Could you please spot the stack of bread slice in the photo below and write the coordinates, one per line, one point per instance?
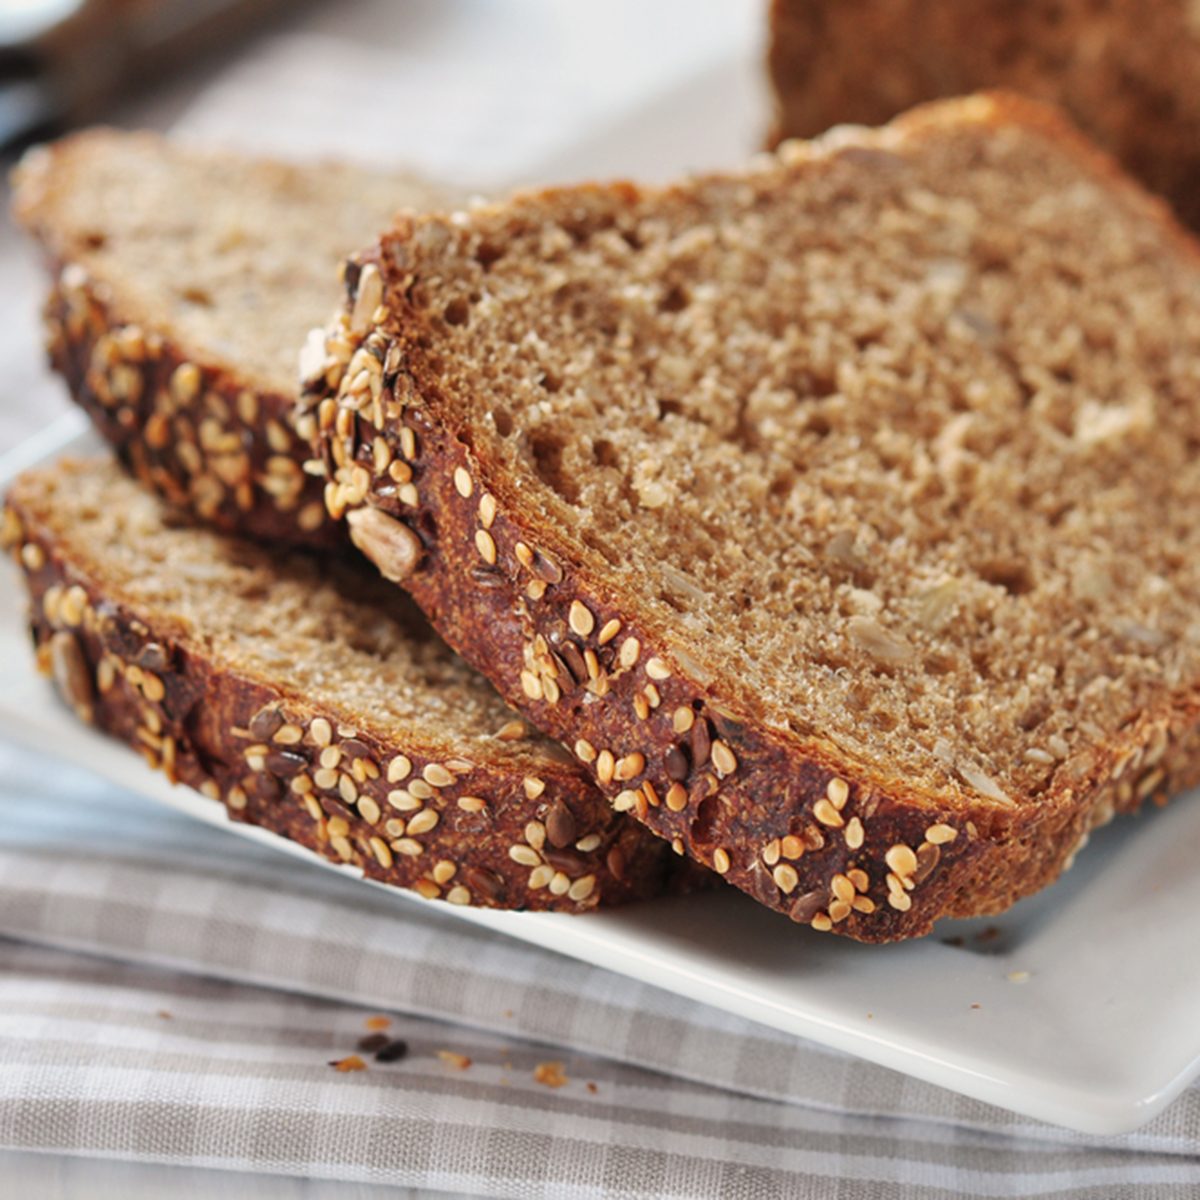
(833, 514)
(275, 675)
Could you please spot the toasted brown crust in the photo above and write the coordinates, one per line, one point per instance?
(875, 861)
(463, 832)
(188, 429)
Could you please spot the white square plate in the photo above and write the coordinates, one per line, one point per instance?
(1076, 1007)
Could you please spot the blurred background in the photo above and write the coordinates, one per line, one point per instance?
(483, 93)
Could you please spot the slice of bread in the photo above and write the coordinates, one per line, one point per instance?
(1126, 70)
(185, 281)
(838, 513)
(313, 700)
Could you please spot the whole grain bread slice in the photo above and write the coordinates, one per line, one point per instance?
(184, 283)
(1126, 70)
(837, 513)
(311, 699)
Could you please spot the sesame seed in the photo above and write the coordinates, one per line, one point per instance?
(511, 731)
(426, 887)
(382, 852)
(631, 765)
(605, 766)
(839, 910)
(838, 791)
(821, 923)
(72, 604)
(580, 618)
(345, 851)
(582, 888)
(842, 888)
(657, 669)
(901, 901)
(184, 383)
(407, 493)
(400, 471)
(901, 859)
(236, 798)
(486, 546)
(609, 631)
(462, 482)
(444, 871)
(403, 801)
(338, 826)
(408, 442)
(560, 884)
(863, 904)
(721, 863)
(421, 789)
(854, 833)
(314, 809)
(859, 878)
(825, 812)
(650, 794)
(771, 852)
(682, 719)
(1018, 976)
(641, 706)
(677, 797)
(585, 751)
(408, 847)
(786, 878)
(652, 694)
(320, 731)
(487, 510)
(525, 855)
(368, 810)
(531, 685)
(540, 877)
(625, 800)
(723, 758)
(423, 822)
(471, 804)
(535, 589)
(534, 786)
(394, 827)
(152, 688)
(630, 650)
(524, 555)
(301, 784)
(437, 776)
(399, 768)
(458, 895)
(347, 789)
(586, 845)
(939, 835)
(33, 556)
(792, 847)
(535, 834)
(288, 735)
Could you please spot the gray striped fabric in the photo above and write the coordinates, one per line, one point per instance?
(178, 1053)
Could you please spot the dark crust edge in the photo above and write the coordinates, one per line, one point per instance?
(188, 429)
(998, 853)
(141, 679)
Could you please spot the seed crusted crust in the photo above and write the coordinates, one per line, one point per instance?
(872, 859)
(415, 816)
(190, 430)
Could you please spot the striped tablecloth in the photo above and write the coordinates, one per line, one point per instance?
(171, 994)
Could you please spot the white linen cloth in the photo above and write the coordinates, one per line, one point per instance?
(171, 994)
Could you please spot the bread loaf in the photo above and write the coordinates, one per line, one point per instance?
(836, 513)
(311, 700)
(1126, 70)
(184, 283)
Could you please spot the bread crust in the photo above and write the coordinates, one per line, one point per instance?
(189, 429)
(780, 816)
(251, 744)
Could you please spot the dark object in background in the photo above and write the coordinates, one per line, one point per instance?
(1127, 71)
(61, 60)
